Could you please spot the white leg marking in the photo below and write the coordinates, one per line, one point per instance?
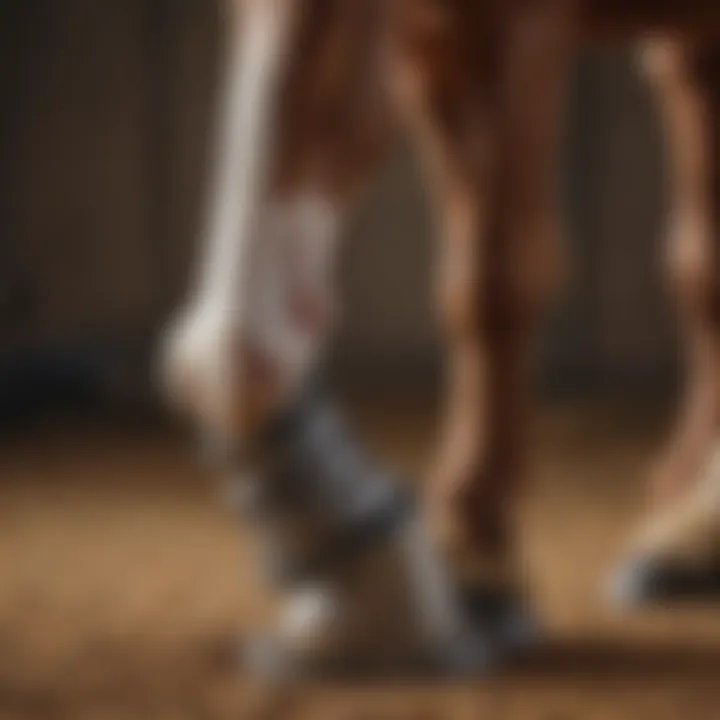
(258, 258)
(243, 154)
(691, 529)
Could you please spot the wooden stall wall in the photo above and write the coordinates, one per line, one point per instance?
(106, 108)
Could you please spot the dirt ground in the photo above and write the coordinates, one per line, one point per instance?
(124, 583)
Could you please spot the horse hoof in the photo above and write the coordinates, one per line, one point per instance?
(503, 617)
(471, 655)
(648, 580)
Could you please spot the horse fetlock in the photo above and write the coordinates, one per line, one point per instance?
(360, 587)
(213, 374)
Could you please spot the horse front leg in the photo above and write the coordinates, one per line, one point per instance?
(676, 551)
(482, 94)
(358, 584)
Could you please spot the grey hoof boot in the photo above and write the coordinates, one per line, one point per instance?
(361, 590)
(649, 580)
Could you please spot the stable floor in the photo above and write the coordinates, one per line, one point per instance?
(124, 581)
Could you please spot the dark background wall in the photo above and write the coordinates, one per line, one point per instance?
(107, 110)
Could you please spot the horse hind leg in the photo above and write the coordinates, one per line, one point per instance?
(676, 553)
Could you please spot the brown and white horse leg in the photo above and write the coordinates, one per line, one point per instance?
(676, 551)
(357, 581)
(483, 97)
(238, 351)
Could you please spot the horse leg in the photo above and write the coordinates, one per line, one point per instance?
(675, 553)
(357, 582)
(482, 95)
